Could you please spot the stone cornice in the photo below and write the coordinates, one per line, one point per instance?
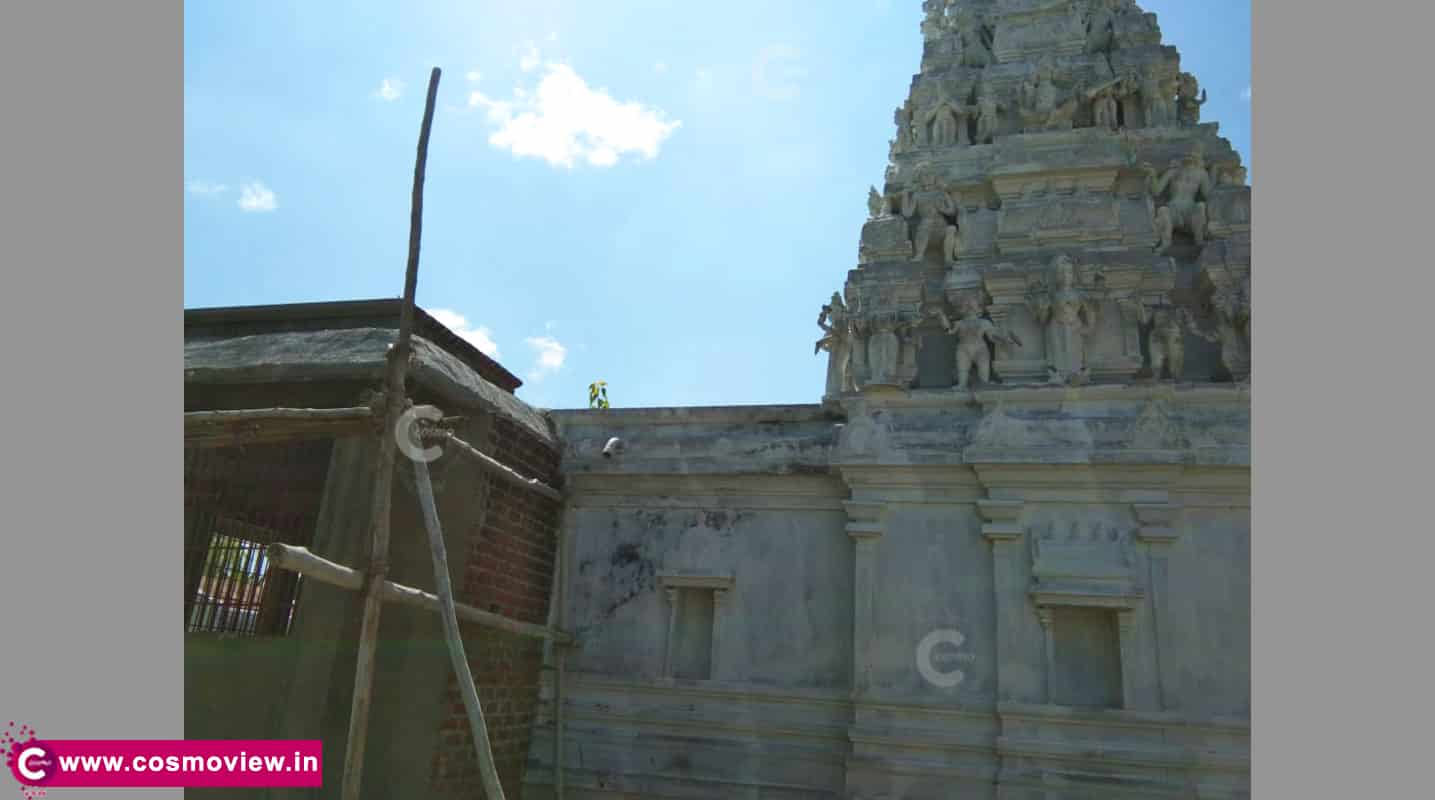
(689, 580)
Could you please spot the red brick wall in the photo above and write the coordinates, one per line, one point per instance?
(509, 570)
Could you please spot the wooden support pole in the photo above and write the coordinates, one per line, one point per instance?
(395, 399)
(492, 787)
(302, 561)
(559, 653)
(498, 469)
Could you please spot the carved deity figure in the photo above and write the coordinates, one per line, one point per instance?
(1156, 94)
(885, 344)
(877, 204)
(935, 213)
(1105, 112)
(1069, 314)
(976, 336)
(976, 39)
(1042, 109)
(988, 113)
(1165, 330)
(1230, 307)
(947, 121)
(836, 340)
(1188, 105)
(1098, 20)
(1187, 186)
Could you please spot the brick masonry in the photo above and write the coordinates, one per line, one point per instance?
(509, 570)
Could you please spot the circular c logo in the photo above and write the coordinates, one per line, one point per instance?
(934, 676)
(35, 764)
(406, 434)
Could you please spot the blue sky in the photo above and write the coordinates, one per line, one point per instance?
(656, 194)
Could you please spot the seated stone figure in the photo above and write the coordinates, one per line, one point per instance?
(1186, 186)
(934, 212)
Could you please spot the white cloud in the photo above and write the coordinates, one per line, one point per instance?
(390, 90)
(205, 187)
(660, 67)
(474, 76)
(255, 196)
(480, 337)
(563, 120)
(1246, 94)
(550, 353)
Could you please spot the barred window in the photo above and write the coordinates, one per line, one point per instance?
(238, 501)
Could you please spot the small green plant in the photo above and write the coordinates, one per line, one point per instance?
(598, 394)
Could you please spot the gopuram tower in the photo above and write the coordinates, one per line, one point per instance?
(1043, 353)
(1050, 174)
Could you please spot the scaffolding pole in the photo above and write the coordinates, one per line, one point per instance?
(394, 402)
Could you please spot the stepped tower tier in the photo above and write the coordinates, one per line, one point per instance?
(1050, 172)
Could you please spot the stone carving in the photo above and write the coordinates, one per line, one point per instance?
(836, 340)
(1098, 20)
(1156, 98)
(1188, 105)
(859, 331)
(1232, 174)
(865, 436)
(1156, 429)
(1186, 186)
(976, 38)
(1069, 314)
(1230, 309)
(1040, 107)
(935, 214)
(877, 205)
(977, 336)
(1001, 431)
(934, 24)
(1105, 105)
(1081, 552)
(905, 117)
(988, 113)
(1164, 328)
(946, 120)
(886, 332)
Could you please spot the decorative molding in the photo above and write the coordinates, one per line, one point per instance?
(670, 581)
(1084, 597)
(1001, 519)
(864, 519)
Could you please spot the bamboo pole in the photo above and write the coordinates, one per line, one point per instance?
(394, 402)
(559, 652)
(304, 562)
(497, 468)
(492, 787)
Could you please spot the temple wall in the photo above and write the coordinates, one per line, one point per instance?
(1076, 560)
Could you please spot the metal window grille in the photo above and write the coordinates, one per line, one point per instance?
(238, 501)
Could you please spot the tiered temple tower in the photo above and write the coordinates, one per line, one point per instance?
(1049, 173)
